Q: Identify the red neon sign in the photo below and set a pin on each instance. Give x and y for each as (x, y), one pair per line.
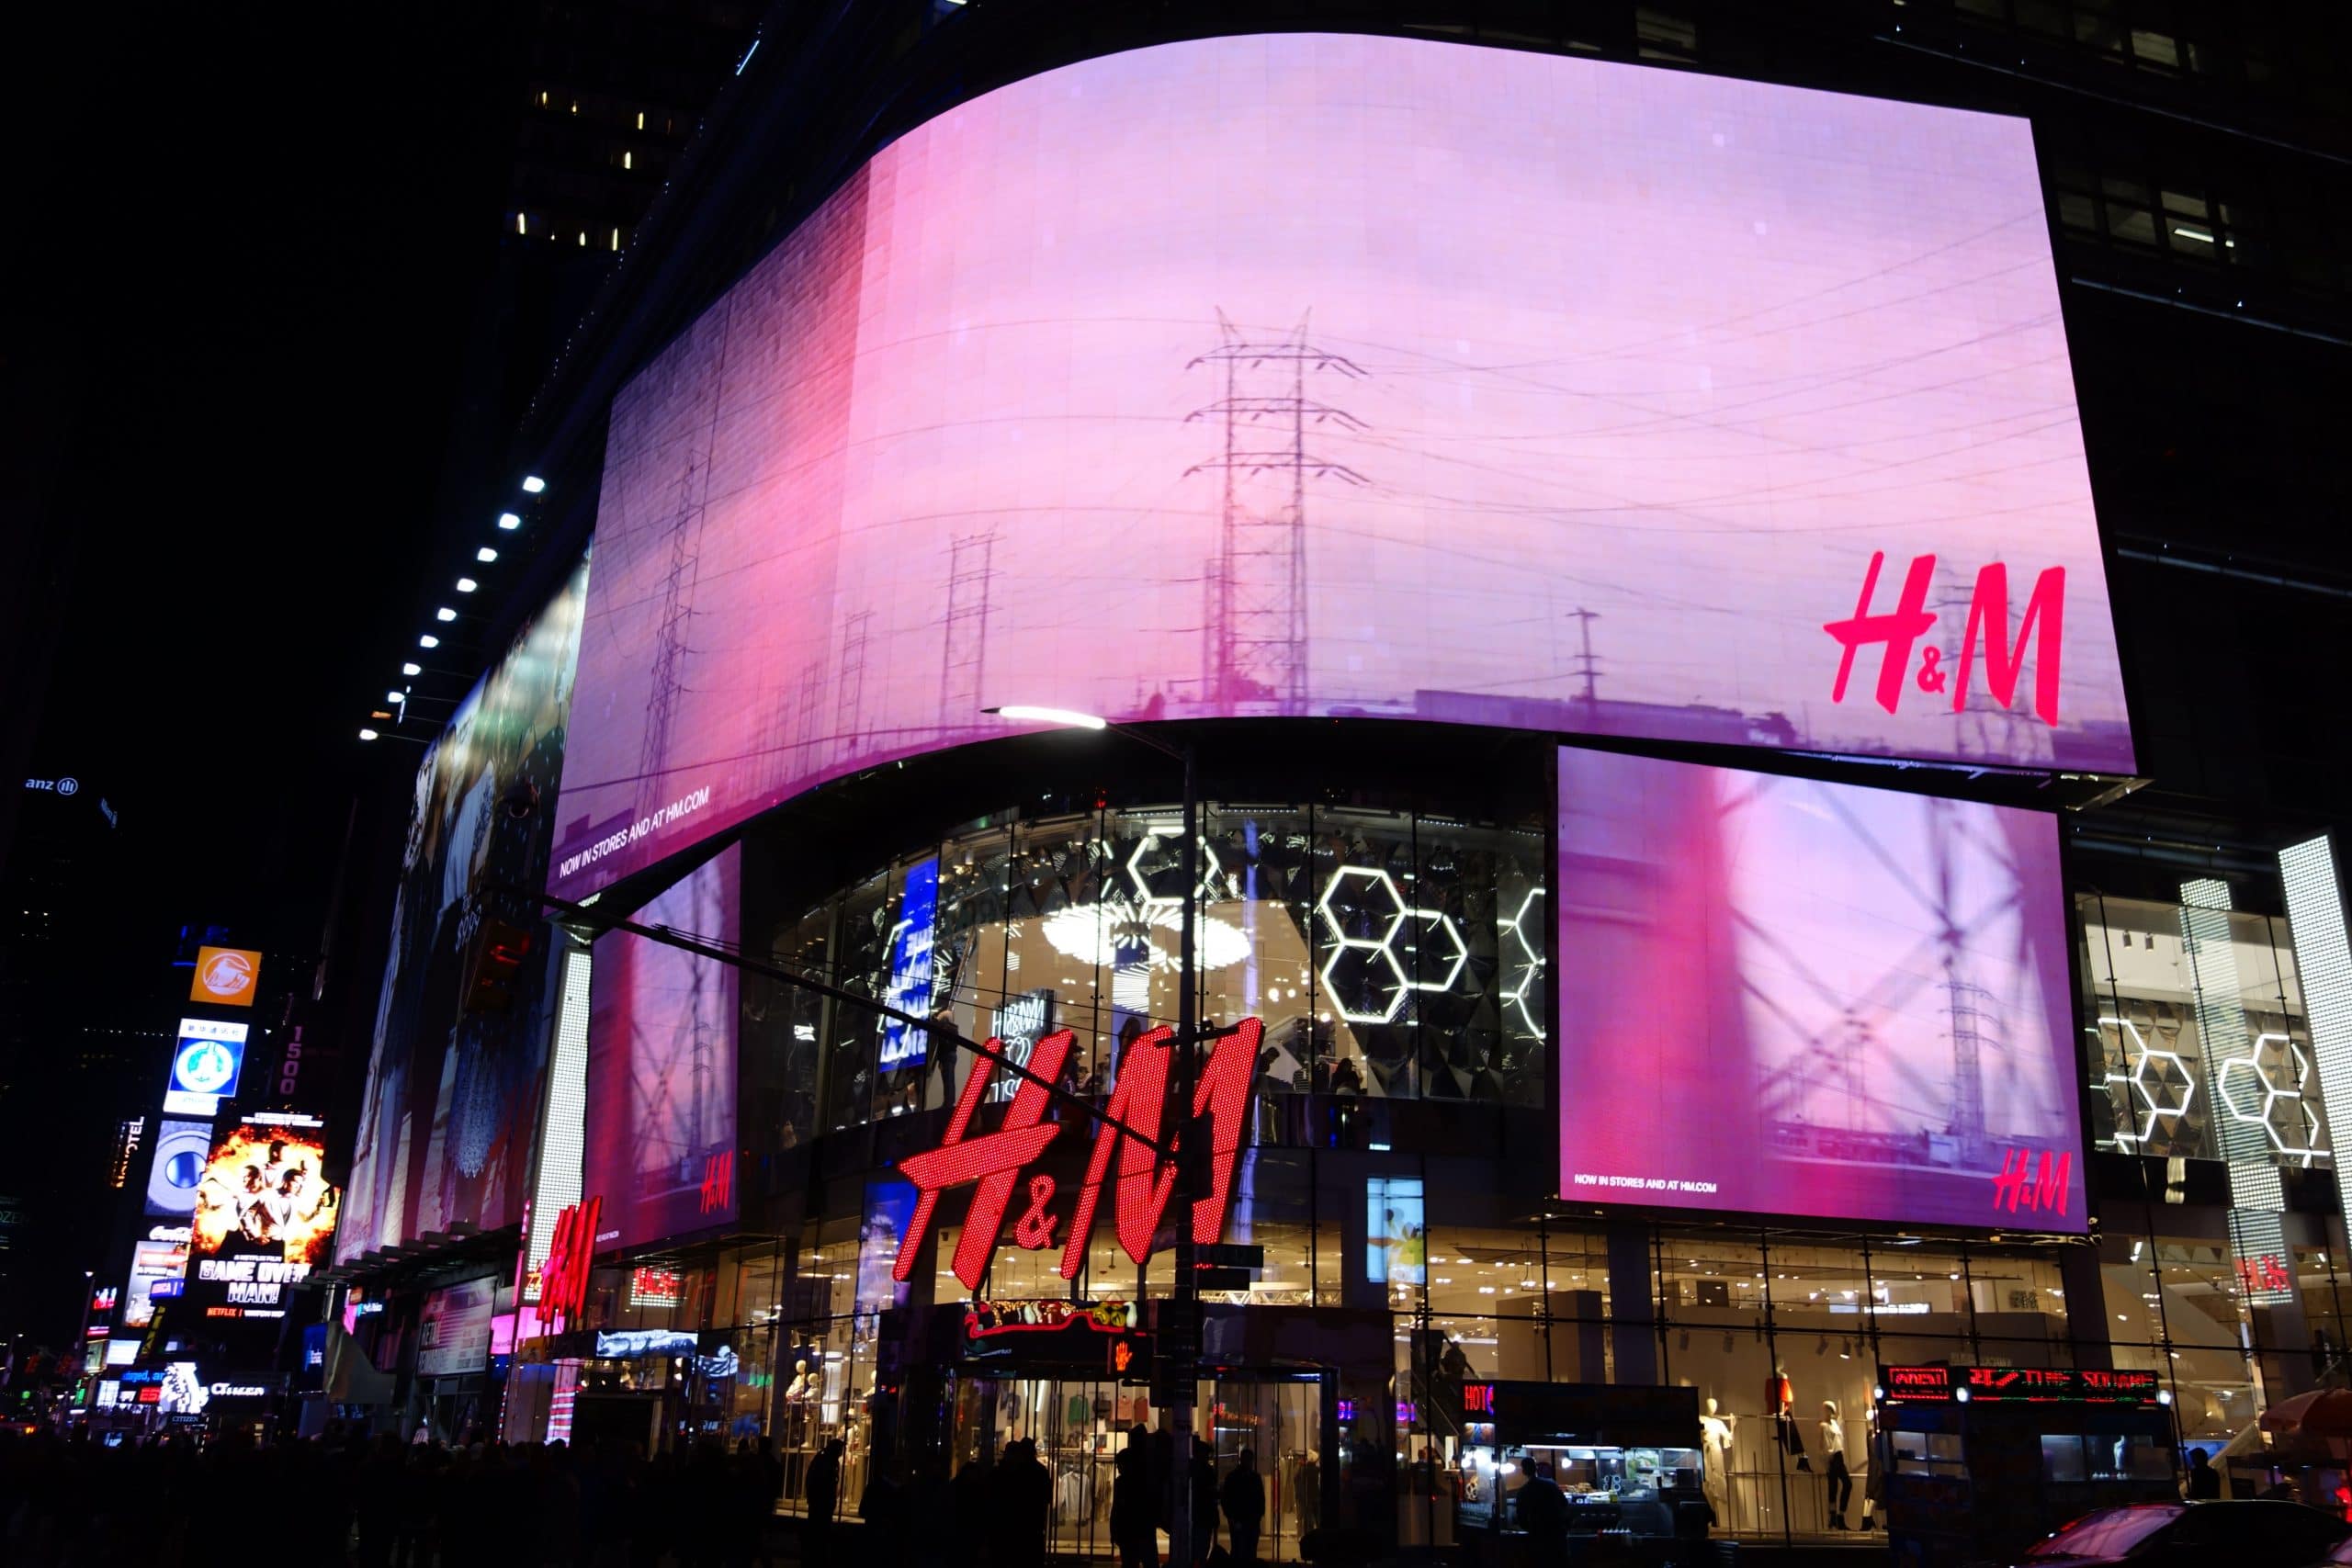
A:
(563, 1277)
(987, 1319)
(991, 1164)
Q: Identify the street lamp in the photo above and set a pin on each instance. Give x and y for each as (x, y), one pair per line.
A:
(1187, 1290)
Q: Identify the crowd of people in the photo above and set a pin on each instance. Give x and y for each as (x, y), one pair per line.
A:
(351, 1501)
(336, 1499)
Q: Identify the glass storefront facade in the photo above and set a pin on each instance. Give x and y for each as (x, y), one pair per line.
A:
(1399, 1173)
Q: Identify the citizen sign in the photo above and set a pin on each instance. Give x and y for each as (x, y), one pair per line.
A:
(991, 1164)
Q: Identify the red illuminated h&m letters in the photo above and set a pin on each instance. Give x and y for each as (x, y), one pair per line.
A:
(991, 1164)
(2020, 1185)
(1897, 631)
(563, 1277)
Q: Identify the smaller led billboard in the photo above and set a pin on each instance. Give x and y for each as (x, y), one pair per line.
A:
(181, 1150)
(159, 1259)
(453, 1333)
(660, 1126)
(206, 1059)
(1396, 1239)
(225, 976)
(1783, 997)
(264, 1216)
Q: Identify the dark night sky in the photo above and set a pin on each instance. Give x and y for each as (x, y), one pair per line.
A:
(244, 298)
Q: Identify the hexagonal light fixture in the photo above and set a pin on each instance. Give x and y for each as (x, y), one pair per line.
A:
(2269, 1058)
(1441, 928)
(1435, 924)
(1530, 957)
(2136, 1085)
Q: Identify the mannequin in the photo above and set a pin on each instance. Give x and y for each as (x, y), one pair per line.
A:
(798, 1389)
(1839, 1480)
(1715, 1428)
(1780, 1408)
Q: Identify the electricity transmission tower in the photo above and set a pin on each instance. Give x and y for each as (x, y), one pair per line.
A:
(965, 646)
(670, 632)
(1256, 628)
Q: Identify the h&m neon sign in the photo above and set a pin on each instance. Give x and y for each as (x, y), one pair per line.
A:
(991, 1164)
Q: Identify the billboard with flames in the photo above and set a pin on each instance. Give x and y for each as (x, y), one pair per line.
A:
(264, 1215)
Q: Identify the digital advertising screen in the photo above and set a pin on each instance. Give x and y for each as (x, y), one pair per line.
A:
(1396, 1234)
(453, 1332)
(1350, 376)
(160, 1258)
(1797, 998)
(452, 1102)
(661, 1104)
(265, 1217)
(181, 1150)
(208, 1058)
(910, 949)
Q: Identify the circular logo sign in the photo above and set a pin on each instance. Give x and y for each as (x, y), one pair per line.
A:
(68, 786)
(205, 1066)
(228, 974)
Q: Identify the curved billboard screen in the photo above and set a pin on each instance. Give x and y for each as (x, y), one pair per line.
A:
(1311, 375)
(1790, 998)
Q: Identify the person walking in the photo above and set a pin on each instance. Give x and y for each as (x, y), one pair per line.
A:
(1243, 1498)
(2204, 1480)
(1132, 1530)
(1021, 1505)
(824, 1499)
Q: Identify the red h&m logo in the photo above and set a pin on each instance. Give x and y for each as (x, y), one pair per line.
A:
(2264, 1274)
(1896, 632)
(991, 1164)
(563, 1277)
(717, 1181)
(2020, 1186)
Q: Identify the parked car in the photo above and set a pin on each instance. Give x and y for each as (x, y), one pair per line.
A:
(2242, 1533)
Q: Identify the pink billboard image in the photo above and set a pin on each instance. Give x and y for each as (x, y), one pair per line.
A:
(1341, 375)
(659, 1132)
(1789, 997)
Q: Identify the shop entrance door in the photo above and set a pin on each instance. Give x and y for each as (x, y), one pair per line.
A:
(1079, 1422)
(1278, 1416)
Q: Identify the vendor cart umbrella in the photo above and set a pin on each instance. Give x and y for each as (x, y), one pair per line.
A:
(2323, 1413)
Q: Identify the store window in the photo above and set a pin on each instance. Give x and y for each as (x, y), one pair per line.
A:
(2162, 1089)
(1390, 955)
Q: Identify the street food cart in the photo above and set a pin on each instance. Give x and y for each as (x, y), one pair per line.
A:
(1625, 1458)
(1982, 1461)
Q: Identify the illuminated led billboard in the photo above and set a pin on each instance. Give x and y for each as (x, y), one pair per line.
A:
(208, 1058)
(158, 1265)
(225, 976)
(1789, 997)
(659, 1128)
(1315, 375)
(264, 1215)
(181, 1150)
(452, 1106)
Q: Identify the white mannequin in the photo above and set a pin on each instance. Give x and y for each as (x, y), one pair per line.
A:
(1715, 1431)
(799, 1389)
(1837, 1478)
